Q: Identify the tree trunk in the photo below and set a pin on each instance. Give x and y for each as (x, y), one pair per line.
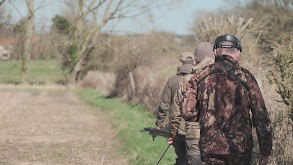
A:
(28, 34)
(75, 75)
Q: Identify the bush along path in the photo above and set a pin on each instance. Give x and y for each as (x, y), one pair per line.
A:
(128, 120)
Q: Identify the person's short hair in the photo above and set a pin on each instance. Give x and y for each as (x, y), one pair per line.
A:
(222, 50)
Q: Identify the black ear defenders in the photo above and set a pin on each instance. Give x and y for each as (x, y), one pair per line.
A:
(236, 42)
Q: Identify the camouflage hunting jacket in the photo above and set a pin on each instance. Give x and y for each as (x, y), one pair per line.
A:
(227, 101)
(192, 128)
(165, 109)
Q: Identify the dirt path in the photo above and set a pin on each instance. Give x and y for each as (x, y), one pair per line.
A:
(42, 127)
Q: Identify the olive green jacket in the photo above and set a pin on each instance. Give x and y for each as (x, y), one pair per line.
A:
(165, 109)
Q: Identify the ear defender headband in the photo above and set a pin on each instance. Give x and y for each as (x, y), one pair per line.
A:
(236, 43)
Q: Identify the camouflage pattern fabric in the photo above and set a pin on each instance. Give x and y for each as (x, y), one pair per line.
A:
(227, 103)
(192, 128)
(233, 159)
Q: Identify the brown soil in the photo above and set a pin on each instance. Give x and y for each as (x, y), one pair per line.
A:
(54, 127)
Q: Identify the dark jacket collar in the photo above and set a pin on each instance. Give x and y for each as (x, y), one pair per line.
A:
(184, 69)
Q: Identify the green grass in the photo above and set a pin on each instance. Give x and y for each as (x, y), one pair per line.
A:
(129, 120)
(40, 71)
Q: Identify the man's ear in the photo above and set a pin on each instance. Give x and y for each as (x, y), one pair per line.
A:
(237, 54)
(215, 51)
(180, 63)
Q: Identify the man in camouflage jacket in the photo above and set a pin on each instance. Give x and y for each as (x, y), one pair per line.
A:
(228, 102)
(165, 109)
(204, 56)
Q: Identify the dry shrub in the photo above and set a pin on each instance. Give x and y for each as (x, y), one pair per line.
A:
(274, 17)
(149, 86)
(281, 76)
(102, 81)
(125, 54)
(283, 138)
(150, 58)
(210, 27)
(282, 129)
(146, 92)
(135, 52)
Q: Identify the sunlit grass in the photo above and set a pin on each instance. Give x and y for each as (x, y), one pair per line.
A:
(40, 72)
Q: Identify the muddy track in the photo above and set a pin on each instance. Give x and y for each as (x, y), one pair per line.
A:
(42, 127)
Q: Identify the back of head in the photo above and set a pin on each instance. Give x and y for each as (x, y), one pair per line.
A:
(203, 50)
(226, 48)
(187, 58)
(227, 43)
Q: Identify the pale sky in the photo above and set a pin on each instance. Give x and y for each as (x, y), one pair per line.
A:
(175, 18)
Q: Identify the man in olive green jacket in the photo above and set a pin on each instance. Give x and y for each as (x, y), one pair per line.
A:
(165, 109)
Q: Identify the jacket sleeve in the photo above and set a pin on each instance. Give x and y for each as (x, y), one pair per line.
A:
(260, 118)
(189, 112)
(164, 106)
(176, 118)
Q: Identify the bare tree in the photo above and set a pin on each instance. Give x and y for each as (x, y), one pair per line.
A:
(28, 35)
(91, 17)
(2, 2)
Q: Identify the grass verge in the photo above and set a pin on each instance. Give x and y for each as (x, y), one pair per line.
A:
(40, 72)
(129, 120)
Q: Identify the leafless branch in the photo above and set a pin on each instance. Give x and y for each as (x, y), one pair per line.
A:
(106, 18)
(95, 7)
(30, 8)
(2, 2)
(12, 4)
(43, 5)
(137, 11)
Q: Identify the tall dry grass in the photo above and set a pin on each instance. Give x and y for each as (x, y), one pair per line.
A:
(102, 81)
(246, 29)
